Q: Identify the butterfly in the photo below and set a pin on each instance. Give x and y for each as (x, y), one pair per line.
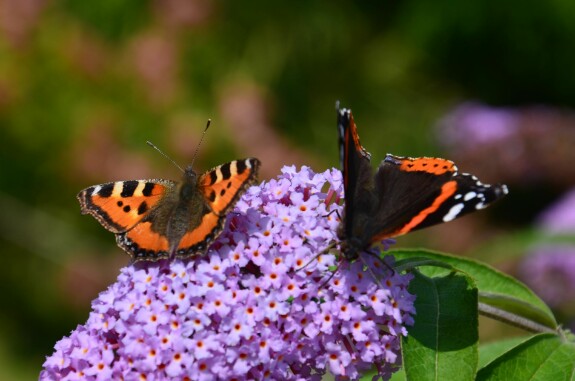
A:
(406, 193)
(157, 219)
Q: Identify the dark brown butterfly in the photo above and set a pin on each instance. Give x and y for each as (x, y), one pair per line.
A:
(405, 194)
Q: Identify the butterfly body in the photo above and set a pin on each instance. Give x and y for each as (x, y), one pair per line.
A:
(405, 194)
(156, 219)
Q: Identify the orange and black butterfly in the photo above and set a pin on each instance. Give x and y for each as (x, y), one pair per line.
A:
(157, 219)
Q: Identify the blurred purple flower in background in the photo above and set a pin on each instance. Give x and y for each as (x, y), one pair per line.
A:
(559, 218)
(550, 268)
(247, 310)
(522, 145)
(472, 123)
(550, 271)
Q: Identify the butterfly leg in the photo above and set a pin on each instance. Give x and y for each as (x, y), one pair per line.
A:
(330, 277)
(324, 251)
(375, 278)
(333, 211)
(375, 254)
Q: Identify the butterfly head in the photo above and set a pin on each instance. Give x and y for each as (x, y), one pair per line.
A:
(349, 246)
(189, 184)
(349, 251)
(189, 173)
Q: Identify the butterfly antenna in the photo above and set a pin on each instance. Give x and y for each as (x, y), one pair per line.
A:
(164, 155)
(200, 143)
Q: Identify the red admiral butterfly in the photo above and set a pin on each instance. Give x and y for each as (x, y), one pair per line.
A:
(405, 194)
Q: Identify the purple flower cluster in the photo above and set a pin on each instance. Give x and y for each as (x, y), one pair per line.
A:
(550, 271)
(262, 304)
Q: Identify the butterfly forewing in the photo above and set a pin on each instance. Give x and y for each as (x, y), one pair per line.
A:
(120, 205)
(356, 170)
(224, 184)
(468, 195)
(404, 195)
(419, 192)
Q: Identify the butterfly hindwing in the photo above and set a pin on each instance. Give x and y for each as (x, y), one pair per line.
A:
(120, 205)
(142, 242)
(198, 239)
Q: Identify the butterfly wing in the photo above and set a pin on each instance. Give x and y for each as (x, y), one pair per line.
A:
(415, 193)
(220, 187)
(124, 208)
(357, 176)
(120, 205)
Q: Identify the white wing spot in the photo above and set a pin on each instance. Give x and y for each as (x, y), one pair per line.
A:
(118, 188)
(234, 168)
(469, 196)
(219, 175)
(138, 192)
(457, 196)
(453, 212)
(96, 190)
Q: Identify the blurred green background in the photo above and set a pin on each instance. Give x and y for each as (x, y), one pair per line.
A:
(83, 85)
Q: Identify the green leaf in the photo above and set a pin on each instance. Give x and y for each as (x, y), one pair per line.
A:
(414, 262)
(442, 345)
(542, 357)
(398, 376)
(496, 289)
(489, 352)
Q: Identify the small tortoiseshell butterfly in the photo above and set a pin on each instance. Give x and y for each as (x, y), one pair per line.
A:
(405, 194)
(157, 219)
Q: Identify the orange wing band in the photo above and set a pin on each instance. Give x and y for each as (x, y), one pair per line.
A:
(202, 234)
(447, 190)
(146, 239)
(432, 165)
